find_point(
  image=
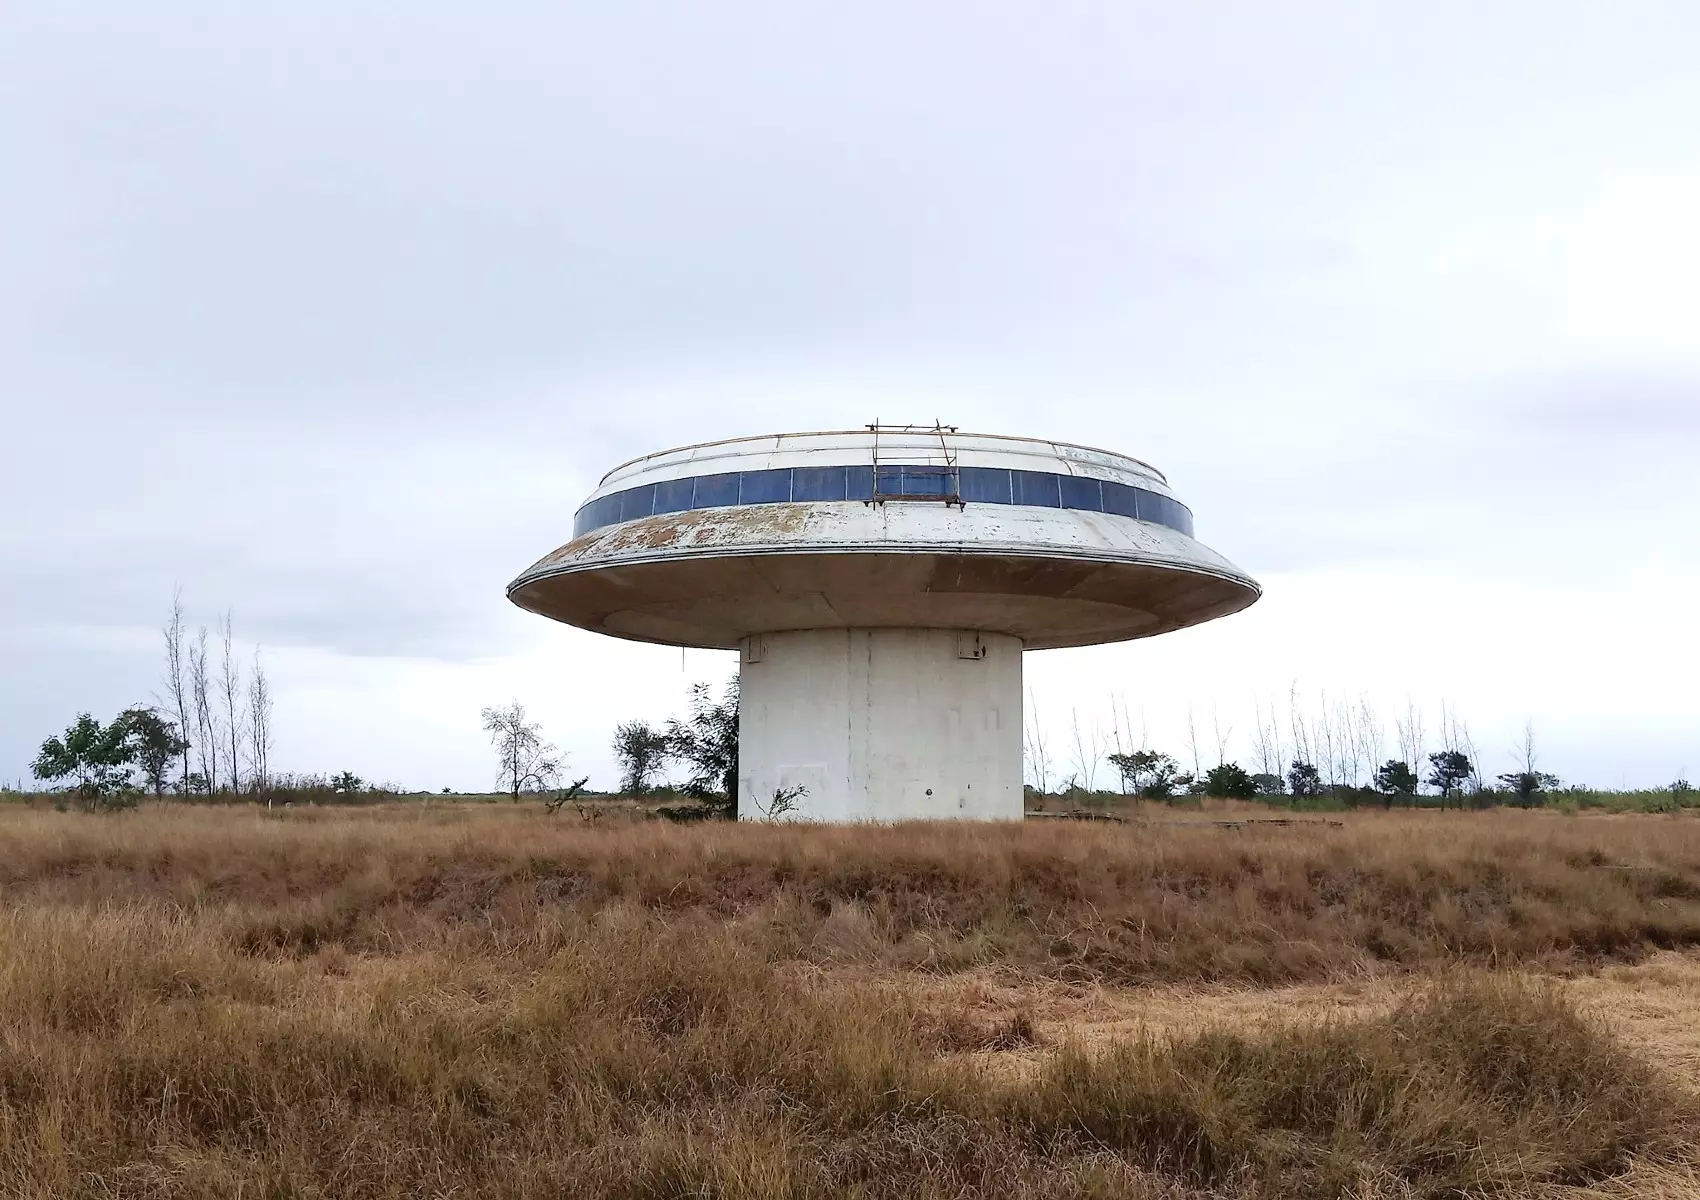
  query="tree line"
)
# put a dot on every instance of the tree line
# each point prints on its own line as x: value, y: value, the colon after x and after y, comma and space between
x: 209, y: 732
x: 1338, y: 750
x: 705, y: 741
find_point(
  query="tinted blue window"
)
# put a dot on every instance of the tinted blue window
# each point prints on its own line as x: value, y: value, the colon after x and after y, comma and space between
x: 1035, y: 487
x: 637, y: 502
x: 817, y: 483
x: 1121, y: 499
x: 930, y: 481
x: 674, y: 495
x: 916, y: 481
x: 765, y: 487
x: 891, y: 481
x: 598, y: 513
x: 984, y: 485
x: 716, y: 491
x: 1081, y: 493
x: 978, y: 485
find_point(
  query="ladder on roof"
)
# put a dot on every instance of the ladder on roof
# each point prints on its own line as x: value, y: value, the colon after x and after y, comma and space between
x: 915, y: 462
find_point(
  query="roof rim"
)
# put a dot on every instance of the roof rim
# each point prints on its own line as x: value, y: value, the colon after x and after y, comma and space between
x: 763, y: 437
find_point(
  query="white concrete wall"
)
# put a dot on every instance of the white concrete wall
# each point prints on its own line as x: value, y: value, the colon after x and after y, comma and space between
x: 882, y: 724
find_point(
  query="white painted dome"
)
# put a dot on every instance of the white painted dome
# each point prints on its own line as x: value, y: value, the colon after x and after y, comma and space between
x: 1056, y: 544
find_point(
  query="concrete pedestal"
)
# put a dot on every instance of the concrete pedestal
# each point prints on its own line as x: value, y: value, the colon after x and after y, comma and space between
x: 881, y: 725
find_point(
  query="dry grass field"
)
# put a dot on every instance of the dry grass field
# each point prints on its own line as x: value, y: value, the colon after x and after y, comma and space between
x: 411, y: 1001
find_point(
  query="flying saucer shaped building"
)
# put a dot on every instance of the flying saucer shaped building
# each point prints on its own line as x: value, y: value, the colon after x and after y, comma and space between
x: 881, y: 585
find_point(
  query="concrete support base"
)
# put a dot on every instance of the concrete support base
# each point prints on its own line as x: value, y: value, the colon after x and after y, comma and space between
x: 880, y: 725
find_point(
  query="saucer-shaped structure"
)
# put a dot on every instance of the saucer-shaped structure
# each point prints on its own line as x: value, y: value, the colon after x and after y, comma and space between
x: 882, y: 584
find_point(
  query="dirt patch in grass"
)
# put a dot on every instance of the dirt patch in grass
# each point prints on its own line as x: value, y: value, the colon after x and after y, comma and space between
x: 1652, y: 1007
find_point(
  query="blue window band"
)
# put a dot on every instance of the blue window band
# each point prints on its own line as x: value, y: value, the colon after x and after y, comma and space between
x: 975, y: 485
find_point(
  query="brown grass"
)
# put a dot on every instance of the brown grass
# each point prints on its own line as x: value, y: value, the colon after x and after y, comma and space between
x: 373, y: 1004
x: 1120, y: 904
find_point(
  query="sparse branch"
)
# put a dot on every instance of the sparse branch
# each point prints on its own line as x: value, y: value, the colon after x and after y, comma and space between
x: 230, y: 694
x: 206, y: 716
x: 176, y: 682
x: 1038, y: 755
x: 259, y: 725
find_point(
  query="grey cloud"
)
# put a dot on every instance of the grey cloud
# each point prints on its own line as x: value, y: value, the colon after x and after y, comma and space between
x: 1613, y: 405
x: 333, y: 313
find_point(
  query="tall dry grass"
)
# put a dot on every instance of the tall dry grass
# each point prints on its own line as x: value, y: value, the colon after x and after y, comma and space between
x: 373, y: 1004
x: 1134, y: 903
x: 149, y: 1055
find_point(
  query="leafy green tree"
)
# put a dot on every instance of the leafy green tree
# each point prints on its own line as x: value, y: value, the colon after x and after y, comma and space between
x: 1303, y: 779
x: 1147, y: 773
x: 1269, y: 785
x: 1395, y: 778
x: 1230, y: 781
x: 641, y: 750
x: 1448, y: 769
x: 346, y: 782
x: 1528, y: 788
x: 97, y: 756
x: 154, y: 744
x: 708, y: 741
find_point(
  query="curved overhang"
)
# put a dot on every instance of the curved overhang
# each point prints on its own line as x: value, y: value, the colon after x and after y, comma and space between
x: 1051, y: 577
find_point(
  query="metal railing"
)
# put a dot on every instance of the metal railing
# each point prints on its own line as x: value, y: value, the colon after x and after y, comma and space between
x: 913, y: 469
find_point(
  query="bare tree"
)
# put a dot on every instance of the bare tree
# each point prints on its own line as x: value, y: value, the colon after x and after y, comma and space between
x: 1038, y: 756
x: 176, y: 685
x: 528, y: 761
x: 206, y: 718
x: 1348, y: 742
x: 1192, y: 741
x: 1121, y: 732
x: 259, y: 725
x: 1468, y: 745
x: 1409, y: 729
x: 1455, y: 739
x: 230, y: 693
x: 1266, y: 742
x: 1370, y: 736
x: 1088, y: 752
x: 1303, y: 749
x: 1526, y: 757
x: 1324, y: 731
x: 1222, y: 739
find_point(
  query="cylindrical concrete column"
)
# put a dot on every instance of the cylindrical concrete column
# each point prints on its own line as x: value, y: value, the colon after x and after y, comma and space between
x: 880, y: 724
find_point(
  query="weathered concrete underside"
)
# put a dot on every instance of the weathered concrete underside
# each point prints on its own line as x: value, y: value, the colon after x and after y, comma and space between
x: 1050, y: 578
x: 880, y: 725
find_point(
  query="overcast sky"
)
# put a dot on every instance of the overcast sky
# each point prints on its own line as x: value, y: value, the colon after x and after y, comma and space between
x: 333, y: 313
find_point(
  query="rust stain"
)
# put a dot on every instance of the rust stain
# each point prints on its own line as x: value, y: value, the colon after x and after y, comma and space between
x: 676, y: 531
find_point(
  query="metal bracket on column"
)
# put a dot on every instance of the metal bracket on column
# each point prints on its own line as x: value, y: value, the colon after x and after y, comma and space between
x: 969, y: 646
x: 754, y: 649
